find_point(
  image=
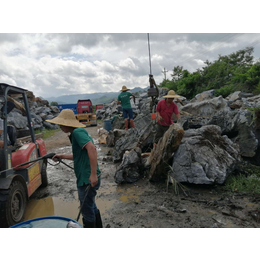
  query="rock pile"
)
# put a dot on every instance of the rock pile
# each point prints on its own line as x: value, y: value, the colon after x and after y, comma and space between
x: 217, y: 134
x: 40, y: 111
x: 209, y: 141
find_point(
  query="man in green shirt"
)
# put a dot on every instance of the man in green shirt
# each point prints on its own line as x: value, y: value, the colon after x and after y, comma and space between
x: 124, y: 99
x: 84, y: 155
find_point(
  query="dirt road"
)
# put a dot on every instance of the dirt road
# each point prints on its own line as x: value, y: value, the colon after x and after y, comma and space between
x: 142, y: 204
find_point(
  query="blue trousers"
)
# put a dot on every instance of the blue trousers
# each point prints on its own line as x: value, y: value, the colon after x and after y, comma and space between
x: 89, y: 208
x: 128, y: 112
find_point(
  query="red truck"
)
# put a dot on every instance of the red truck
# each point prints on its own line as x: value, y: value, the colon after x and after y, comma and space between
x: 85, y: 112
x: 99, y: 106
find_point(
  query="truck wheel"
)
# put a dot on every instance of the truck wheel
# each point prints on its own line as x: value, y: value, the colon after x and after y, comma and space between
x: 12, y: 204
x: 44, y: 174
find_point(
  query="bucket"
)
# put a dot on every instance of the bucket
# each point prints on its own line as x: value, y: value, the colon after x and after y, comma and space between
x: 153, y: 116
x: 47, y: 222
x: 107, y: 125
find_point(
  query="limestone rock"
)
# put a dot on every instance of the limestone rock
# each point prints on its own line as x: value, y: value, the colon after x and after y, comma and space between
x: 205, y: 157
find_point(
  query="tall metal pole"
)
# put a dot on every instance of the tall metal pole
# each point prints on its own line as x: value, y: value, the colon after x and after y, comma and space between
x: 149, y: 54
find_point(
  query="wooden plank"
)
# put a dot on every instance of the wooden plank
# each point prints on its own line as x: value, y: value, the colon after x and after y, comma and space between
x: 28, y: 138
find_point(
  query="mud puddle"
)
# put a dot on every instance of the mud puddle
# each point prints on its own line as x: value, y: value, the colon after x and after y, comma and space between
x: 54, y: 206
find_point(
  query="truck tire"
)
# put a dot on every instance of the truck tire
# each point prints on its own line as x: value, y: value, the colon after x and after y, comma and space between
x: 44, y: 174
x: 12, y: 204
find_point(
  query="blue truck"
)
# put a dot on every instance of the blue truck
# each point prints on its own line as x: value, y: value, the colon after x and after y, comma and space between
x: 73, y: 107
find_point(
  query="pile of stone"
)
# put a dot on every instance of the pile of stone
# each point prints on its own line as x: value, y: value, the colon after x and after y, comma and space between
x: 40, y: 111
x: 216, y: 135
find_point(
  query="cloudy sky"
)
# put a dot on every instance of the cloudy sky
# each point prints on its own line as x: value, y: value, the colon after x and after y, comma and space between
x: 62, y: 64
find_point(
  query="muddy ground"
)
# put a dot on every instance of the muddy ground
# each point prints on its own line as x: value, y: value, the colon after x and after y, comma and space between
x: 143, y: 204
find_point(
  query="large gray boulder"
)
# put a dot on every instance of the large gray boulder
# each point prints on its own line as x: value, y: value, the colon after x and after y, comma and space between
x: 131, y: 168
x: 236, y: 124
x: 48, y: 125
x: 238, y: 95
x: 207, y: 107
x: 139, y: 136
x: 17, y: 120
x: 209, y: 94
x: 205, y: 157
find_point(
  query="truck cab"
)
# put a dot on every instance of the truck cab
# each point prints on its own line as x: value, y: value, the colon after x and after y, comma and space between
x: 84, y: 106
x: 85, y: 112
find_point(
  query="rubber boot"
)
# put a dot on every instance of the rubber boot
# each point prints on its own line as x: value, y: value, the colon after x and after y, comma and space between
x: 98, y: 220
x: 132, y: 123
x: 87, y: 224
x: 126, y: 124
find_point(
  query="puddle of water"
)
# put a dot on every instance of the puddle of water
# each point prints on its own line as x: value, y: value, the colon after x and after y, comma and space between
x: 129, y: 194
x: 104, y: 205
x: 128, y: 198
x: 53, y: 206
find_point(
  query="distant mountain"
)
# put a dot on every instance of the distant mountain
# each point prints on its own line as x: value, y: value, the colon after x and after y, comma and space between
x: 96, y: 98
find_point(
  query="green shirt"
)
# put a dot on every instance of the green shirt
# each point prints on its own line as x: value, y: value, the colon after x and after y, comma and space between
x: 124, y: 97
x: 78, y: 139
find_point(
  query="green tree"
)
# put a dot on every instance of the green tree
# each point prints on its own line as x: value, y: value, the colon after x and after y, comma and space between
x: 168, y: 84
x: 54, y: 103
x: 188, y: 86
x: 227, y: 74
x: 177, y: 73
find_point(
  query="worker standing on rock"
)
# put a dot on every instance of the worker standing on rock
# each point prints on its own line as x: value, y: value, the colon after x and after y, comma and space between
x: 85, y: 165
x: 164, y: 112
x: 124, y: 99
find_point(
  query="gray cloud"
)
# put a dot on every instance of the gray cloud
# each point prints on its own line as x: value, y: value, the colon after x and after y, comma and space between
x: 64, y: 63
x: 9, y: 37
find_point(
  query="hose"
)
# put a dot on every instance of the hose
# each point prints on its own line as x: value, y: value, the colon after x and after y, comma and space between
x: 46, y: 156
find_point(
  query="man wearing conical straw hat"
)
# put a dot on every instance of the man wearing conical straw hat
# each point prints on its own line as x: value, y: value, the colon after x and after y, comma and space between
x: 164, y: 110
x: 84, y: 155
x: 124, y: 99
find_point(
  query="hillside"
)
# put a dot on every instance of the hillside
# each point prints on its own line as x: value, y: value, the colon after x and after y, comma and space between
x: 96, y: 98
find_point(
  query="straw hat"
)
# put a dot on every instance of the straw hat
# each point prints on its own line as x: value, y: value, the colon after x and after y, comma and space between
x: 171, y: 94
x: 124, y: 88
x: 66, y: 118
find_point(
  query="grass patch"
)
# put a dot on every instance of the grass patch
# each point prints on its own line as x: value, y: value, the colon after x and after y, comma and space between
x: 47, y: 132
x: 246, y: 181
x: 241, y: 183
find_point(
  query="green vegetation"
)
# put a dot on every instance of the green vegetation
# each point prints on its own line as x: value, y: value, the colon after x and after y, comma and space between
x: 243, y: 183
x: 54, y: 103
x: 230, y: 73
x: 47, y: 132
